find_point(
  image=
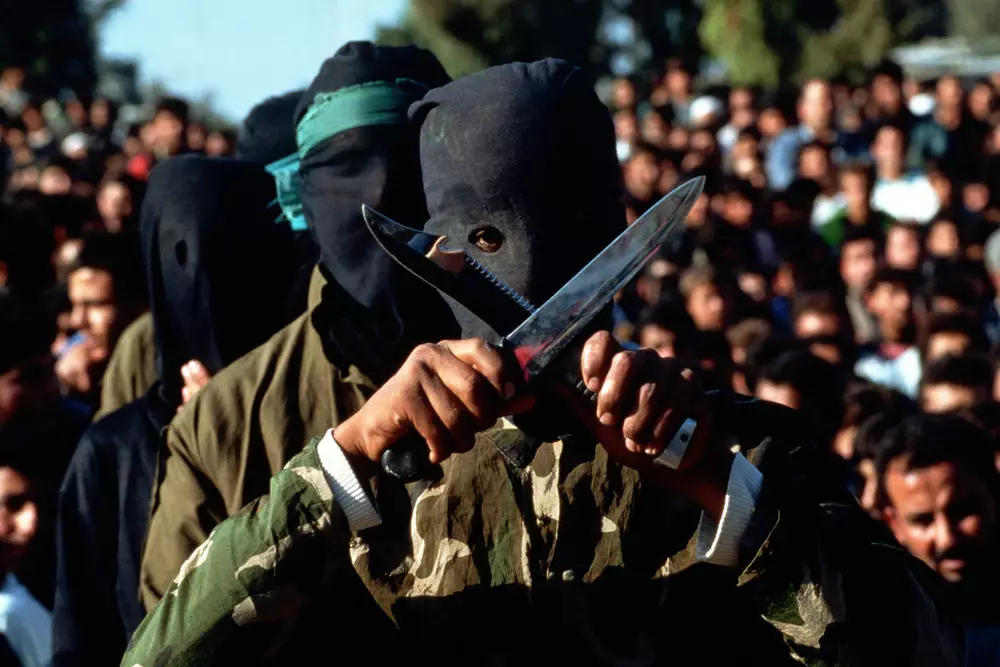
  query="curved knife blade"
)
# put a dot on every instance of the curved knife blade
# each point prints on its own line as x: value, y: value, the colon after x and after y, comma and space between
x: 554, y: 325
x: 453, y: 272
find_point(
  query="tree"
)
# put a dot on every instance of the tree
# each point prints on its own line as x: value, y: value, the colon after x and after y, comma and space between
x: 974, y: 19
x: 468, y: 35
x: 54, y: 40
x: 771, y: 41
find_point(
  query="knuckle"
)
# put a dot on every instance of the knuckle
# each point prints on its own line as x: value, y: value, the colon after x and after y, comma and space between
x: 623, y: 362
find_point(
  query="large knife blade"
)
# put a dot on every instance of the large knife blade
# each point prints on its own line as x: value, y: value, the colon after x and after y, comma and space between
x: 557, y: 322
x: 539, y: 334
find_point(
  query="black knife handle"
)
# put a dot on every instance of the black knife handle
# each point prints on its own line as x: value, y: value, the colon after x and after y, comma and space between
x: 409, y: 460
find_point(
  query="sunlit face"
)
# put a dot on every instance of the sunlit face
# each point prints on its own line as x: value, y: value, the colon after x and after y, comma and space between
x: 813, y: 164
x: 707, y: 307
x: 95, y: 311
x: 942, y: 514
x: 114, y: 203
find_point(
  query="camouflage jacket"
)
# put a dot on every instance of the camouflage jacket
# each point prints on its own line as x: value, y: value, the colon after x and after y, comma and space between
x: 568, y: 561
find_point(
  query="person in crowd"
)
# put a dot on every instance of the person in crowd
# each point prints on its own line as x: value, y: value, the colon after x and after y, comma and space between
x: 206, y: 307
x: 953, y: 333
x: 106, y: 292
x: 902, y: 194
x: 25, y: 623
x: 886, y: 86
x: 943, y: 241
x: 802, y: 381
x: 819, y: 320
x: 904, y: 246
x: 895, y: 362
x: 856, y: 185
x: 955, y: 382
x: 667, y: 328
x: 815, y: 111
x: 705, y: 299
x: 940, y: 497
x: 743, y: 337
x: 859, y: 257
x: 478, y: 549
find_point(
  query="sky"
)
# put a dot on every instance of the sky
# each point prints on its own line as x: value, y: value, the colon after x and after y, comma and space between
x: 239, y: 51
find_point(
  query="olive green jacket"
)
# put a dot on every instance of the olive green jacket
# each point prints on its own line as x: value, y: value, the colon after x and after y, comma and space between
x: 220, y: 451
x: 131, y: 370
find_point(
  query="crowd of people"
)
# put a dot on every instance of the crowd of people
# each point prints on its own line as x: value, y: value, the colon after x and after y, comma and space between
x: 185, y: 313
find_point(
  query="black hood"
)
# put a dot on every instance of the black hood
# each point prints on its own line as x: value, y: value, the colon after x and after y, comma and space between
x: 520, y: 171
x: 219, y: 269
x: 268, y: 132
x: 373, y: 312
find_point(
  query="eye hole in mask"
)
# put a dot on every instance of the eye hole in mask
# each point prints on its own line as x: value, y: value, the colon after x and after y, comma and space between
x: 487, y: 239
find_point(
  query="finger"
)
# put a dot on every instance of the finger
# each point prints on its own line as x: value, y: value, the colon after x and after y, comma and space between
x: 617, y: 395
x: 638, y: 427
x: 682, y: 404
x: 460, y: 424
x: 424, y: 420
x: 595, y: 359
x: 197, y: 373
x: 485, y: 359
x: 479, y: 396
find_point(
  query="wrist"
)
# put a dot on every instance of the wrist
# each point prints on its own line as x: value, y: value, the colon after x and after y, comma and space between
x: 346, y: 436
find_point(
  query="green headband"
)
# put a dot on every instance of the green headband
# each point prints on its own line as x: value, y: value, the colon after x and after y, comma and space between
x: 361, y: 105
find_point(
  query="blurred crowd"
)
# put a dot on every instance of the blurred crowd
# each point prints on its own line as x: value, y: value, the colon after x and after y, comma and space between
x: 844, y: 260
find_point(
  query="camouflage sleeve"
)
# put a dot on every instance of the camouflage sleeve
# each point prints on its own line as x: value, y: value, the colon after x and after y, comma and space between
x: 233, y: 599
x: 839, y: 590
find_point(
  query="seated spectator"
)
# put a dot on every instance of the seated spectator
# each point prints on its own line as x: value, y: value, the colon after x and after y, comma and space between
x: 952, y: 383
x: 904, y: 246
x: 705, y: 299
x: 25, y: 624
x: 901, y: 194
x: 953, y: 291
x: 820, y: 321
x: 895, y: 362
x: 940, y: 493
x: 802, y: 381
x: 952, y: 334
x: 856, y: 184
x: 107, y: 292
x: 858, y: 261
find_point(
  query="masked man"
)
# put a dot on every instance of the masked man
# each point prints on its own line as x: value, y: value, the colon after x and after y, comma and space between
x: 534, y: 546
x: 220, y: 274
x: 365, y: 313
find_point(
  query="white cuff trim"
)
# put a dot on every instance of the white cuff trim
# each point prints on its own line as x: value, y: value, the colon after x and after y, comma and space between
x: 719, y: 543
x: 348, y: 492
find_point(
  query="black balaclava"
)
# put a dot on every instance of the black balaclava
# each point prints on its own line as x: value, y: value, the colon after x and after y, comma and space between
x: 219, y: 269
x: 268, y: 131
x: 373, y: 311
x: 520, y: 171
